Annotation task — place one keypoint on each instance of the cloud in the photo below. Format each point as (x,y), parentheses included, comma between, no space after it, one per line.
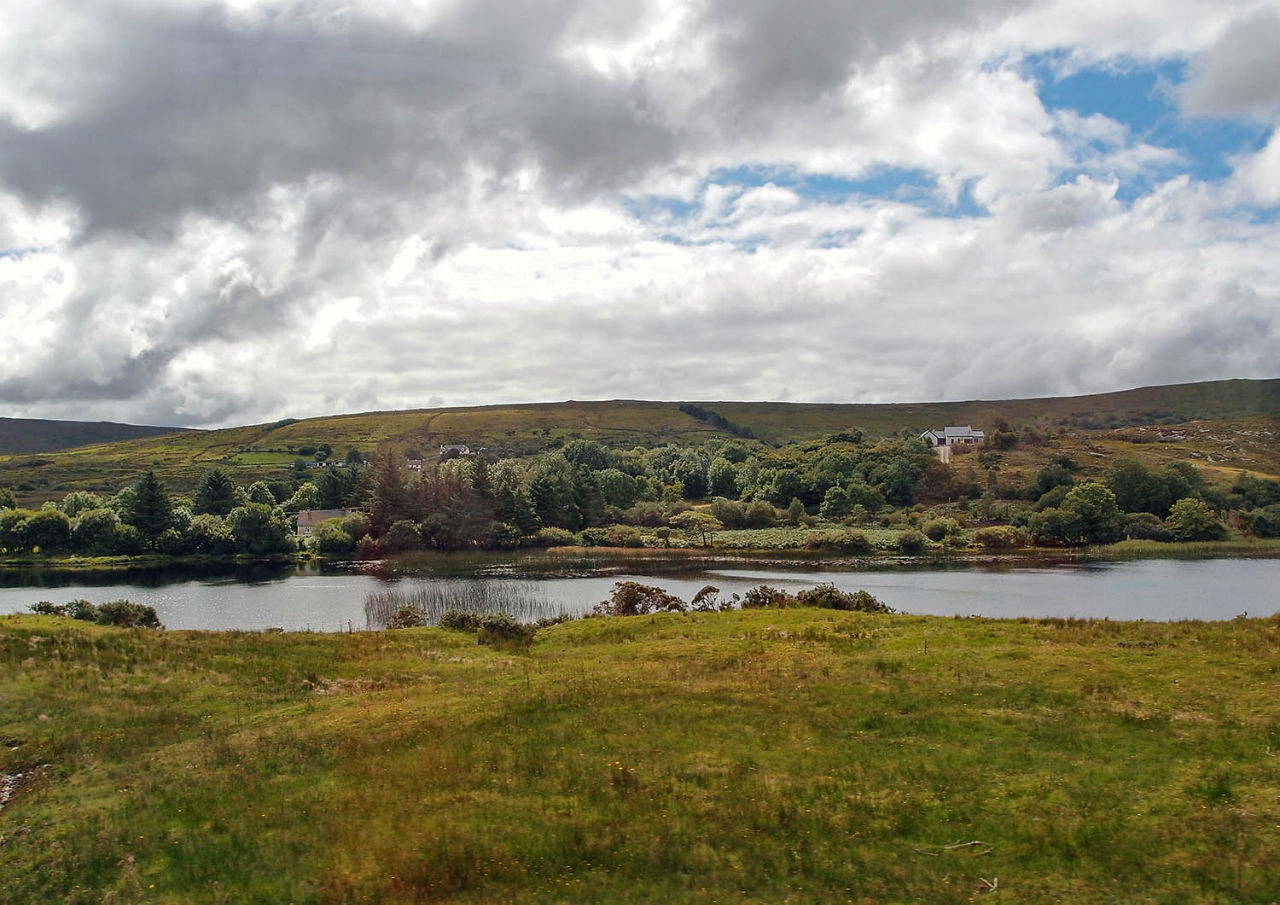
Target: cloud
(233,213)
(1240,73)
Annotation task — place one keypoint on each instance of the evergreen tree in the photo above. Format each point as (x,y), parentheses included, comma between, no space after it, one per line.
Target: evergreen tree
(216,495)
(150,509)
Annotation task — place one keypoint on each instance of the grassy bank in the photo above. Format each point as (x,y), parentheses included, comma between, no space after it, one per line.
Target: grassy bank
(794,755)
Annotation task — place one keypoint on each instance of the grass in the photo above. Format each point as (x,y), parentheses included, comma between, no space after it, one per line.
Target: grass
(794,755)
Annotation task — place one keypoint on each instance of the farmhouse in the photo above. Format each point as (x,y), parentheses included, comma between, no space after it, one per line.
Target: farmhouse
(454,449)
(308,519)
(953,436)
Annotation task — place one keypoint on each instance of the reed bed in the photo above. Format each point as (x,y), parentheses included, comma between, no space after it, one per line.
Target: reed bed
(524,600)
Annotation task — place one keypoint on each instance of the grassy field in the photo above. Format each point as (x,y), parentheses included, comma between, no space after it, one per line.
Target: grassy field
(782,756)
(1237,425)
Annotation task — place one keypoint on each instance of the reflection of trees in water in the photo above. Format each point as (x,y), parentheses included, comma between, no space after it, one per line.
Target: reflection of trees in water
(521,599)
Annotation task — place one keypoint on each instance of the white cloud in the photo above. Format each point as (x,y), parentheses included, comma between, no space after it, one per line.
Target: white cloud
(312,207)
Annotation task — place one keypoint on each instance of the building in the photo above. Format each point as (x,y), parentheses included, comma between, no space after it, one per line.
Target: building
(454,449)
(308,519)
(953,436)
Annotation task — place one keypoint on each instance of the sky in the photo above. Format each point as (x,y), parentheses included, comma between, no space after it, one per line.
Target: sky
(232,212)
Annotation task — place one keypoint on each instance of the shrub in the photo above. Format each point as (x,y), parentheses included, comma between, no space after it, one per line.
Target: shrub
(553,537)
(730,513)
(761,515)
(939,529)
(504,629)
(122,613)
(128,614)
(827,597)
(460,621)
(405,616)
(402,536)
(910,541)
(630,598)
(1192,519)
(329,539)
(1144,526)
(1266,521)
(764,596)
(624,536)
(708,600)
(1001,537)
(840,541)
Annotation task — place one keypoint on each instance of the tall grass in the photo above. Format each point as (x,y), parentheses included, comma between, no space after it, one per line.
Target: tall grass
(481,596)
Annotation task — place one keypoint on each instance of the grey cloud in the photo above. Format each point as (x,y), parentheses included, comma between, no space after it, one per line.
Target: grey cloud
(194,113)
(784,53)
(1240,74)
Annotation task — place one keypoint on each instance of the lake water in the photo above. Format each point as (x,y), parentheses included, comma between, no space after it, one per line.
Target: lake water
(311,598)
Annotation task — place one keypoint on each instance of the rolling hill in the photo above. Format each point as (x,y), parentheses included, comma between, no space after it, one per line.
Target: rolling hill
(23,436)
(1225,425)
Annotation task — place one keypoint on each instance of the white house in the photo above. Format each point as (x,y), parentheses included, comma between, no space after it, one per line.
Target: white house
(953,436)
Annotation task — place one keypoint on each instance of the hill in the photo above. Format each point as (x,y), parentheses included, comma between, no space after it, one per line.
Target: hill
(23,436)
(1230,424)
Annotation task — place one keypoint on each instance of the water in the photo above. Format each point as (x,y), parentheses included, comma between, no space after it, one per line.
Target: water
(310,598)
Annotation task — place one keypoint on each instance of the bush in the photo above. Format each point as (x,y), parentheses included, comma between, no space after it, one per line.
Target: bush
(708,600)
(911,541)
(939,529)
(827,597)
(405,616)
(763,596)
(761,515)
(1144,526)
(127,614)
(553,537)
(503,629)
(731,514)
(839,541)
(1001,537)
(401,537)
(1266,521)
(630,598)
(460,621)
(1192,519)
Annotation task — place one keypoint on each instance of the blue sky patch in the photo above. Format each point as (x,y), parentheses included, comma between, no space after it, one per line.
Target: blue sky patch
(1143,97)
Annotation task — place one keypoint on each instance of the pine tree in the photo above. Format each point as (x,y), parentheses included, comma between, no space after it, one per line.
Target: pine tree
(150,510)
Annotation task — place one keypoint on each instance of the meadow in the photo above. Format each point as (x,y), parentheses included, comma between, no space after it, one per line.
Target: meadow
(770,755)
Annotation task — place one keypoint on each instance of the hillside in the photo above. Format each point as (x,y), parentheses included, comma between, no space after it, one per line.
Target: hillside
(1236,423)
(23,436)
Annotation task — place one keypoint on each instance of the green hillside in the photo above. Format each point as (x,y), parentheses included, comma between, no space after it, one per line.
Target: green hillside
(1246,414)
(20,436)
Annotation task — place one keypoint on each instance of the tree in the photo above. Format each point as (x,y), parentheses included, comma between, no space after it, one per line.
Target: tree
(1096,508)
(835,503)
(217,494)
(353,457)
(7,500)
(150,509)
(722,478)
(698,524)
(307,496)
(78,501)
(259,531)
(261,492)
(1192,519)
(97,533)
(49,530)
(210,535)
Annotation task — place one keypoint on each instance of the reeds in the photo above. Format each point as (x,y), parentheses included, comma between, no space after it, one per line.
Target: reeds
(483,596)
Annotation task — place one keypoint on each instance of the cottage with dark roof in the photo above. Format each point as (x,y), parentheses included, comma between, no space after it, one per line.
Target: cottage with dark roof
(953,436)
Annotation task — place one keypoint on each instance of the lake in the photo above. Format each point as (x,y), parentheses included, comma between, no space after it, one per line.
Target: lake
(309,597)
